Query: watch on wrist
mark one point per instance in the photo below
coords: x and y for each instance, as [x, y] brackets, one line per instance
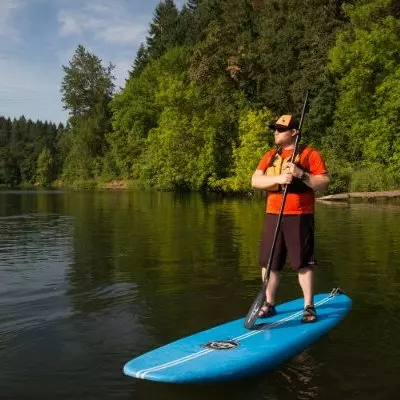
[303, 176]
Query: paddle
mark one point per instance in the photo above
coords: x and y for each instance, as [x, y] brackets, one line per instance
[255, 308]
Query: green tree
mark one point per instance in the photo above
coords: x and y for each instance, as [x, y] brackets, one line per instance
[163, 29]
[87, 90]
[5, 134]
[191, 23]
[180, 152]
[136, 111]
[254, 140]
[21, 142]
[45, 167]
[365, 60]
[216, 67]
[192, 5]
[140, 62]
[86, 84]
[289, 57]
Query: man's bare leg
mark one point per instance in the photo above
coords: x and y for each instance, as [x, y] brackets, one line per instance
[306, 280]
[274, 278]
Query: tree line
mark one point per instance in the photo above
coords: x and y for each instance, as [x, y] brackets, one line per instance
[30, 152]
[204, 86]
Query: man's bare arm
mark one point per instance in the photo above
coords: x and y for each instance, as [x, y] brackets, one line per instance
[261, 181]
[316, 182]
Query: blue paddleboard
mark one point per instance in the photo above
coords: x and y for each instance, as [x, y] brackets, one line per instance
[230, 351]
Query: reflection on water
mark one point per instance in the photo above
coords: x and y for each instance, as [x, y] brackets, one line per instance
[90, 280]
[34, 252]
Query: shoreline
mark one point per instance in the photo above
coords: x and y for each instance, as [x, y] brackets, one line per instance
[360, 195]
[124, 184]
[115, 185]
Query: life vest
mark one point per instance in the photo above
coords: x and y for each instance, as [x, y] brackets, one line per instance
[278, 164]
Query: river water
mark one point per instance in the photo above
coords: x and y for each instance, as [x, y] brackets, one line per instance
[90, 280]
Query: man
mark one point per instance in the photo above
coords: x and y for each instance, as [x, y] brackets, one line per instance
[304, 176]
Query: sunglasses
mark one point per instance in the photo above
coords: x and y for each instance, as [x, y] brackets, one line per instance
[280, 130]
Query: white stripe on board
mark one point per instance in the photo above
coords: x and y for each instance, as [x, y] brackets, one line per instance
[142, 373]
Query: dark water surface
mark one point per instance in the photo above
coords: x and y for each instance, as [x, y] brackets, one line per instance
[90, 280]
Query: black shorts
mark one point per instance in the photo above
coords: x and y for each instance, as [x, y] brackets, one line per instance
[295, 238]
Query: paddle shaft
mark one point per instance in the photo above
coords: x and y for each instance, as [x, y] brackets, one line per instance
[260, 299]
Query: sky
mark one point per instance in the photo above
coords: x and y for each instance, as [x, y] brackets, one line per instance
[38, 37]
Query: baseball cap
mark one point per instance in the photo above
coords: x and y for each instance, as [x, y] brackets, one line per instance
[285, 121]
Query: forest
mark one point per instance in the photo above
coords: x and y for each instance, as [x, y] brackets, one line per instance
[203, 88]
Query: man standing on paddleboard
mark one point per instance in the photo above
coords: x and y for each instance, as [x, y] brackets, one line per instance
[295, 238]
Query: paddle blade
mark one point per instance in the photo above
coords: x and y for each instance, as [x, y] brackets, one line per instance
[255, 308]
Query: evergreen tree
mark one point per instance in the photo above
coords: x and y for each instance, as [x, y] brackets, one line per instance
[141, 60]
[163, 29]
[192, 5]
[21, 142]
[289, 57]
[191, 24]
[5, 131]
[5, 156]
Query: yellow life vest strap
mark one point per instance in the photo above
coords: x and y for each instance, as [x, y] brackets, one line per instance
[295, 186]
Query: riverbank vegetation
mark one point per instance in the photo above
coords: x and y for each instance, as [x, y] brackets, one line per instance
[205, 84]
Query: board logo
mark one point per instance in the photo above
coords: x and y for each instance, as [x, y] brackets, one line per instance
[222, 345]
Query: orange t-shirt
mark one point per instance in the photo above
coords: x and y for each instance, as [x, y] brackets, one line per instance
[296, 203]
